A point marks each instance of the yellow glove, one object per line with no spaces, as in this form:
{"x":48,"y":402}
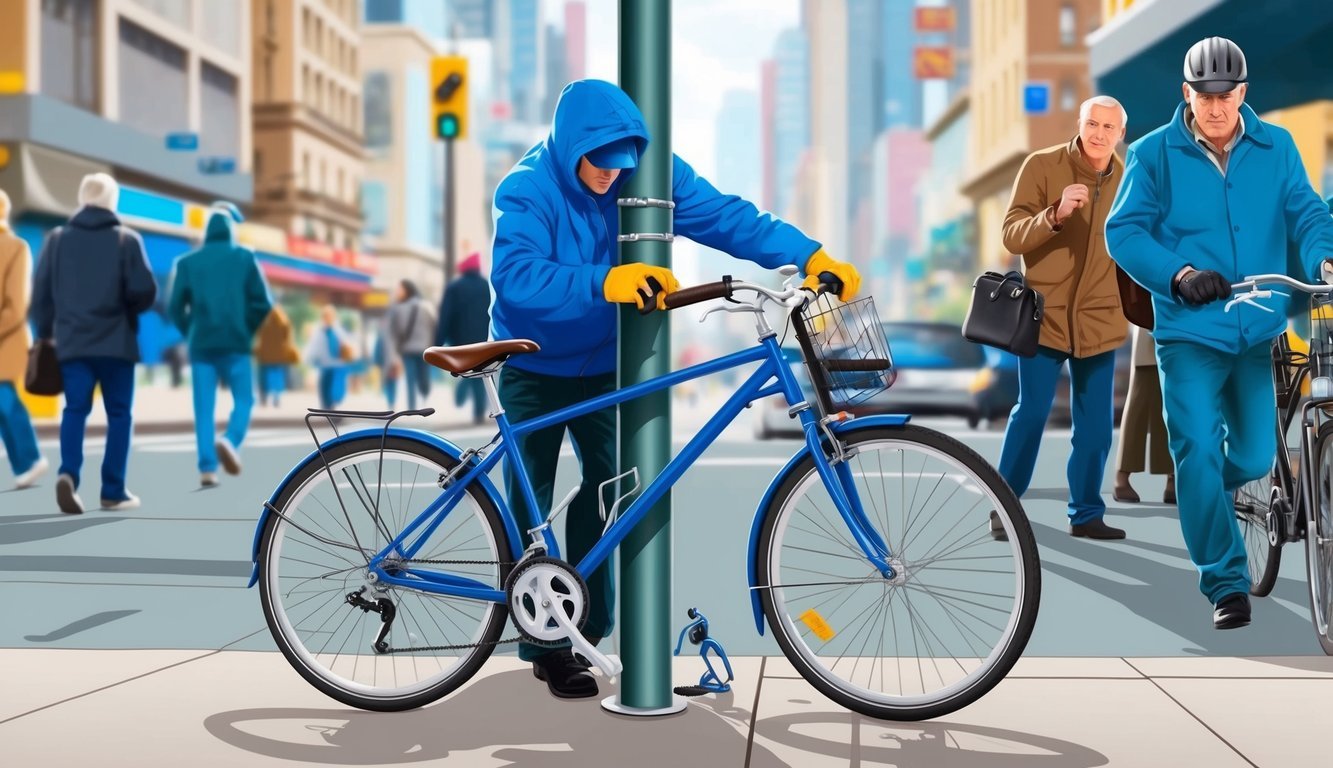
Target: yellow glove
{"x":624,"y":282}
{"x":822,"y":262}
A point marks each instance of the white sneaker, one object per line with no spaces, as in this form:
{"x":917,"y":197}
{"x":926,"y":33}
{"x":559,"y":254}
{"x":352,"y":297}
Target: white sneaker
{"x":228,"y":456}
{"x":208,"y":479}
{"x":29,"y":478}
{"x":129,"y":503}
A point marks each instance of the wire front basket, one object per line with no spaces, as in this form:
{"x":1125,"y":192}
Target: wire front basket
{"x":847,"y":351}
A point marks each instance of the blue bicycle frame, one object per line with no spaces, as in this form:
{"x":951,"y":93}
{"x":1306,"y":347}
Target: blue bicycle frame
{"x":837,"y":478}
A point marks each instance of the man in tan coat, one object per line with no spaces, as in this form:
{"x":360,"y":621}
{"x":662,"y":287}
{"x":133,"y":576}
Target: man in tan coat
{"x":1056,"y":222}
{"x":16,"y":431}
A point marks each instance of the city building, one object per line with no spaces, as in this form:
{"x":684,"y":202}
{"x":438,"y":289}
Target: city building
{"x":948,"y":232}
{"x":1017,"y":47}
{"x":431,"y":18}
{"x":474,"y":18}
{"x":112,"y":86}
{"x":576,"y":39}
{"x":820,"y":200}
{"x":403,"y":192}
{"x":790,"y":122}
{"x":888,"y":224}
{"x":525,"y":59}
{"x":1137,"y":53}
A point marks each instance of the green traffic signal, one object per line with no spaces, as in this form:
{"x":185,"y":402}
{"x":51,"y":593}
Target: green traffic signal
{"x":446,"y":126}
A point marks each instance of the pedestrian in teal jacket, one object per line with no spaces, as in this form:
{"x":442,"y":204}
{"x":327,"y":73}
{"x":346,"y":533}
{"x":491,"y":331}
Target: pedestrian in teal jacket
{"x":556,"y":279}
{"x":219,"y":298}
{"x":1210,"y":198}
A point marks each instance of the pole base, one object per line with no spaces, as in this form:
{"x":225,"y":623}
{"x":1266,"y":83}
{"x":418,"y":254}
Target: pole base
{"x":612,"y":704}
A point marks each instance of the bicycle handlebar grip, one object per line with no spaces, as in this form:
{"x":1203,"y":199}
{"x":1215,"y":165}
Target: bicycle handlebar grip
{"x":698,"y":293}
{"x":829,"y":283}
{"x":650,"y":299}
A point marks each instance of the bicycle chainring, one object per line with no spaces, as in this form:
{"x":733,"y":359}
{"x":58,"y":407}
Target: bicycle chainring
{"x":527,"y":590}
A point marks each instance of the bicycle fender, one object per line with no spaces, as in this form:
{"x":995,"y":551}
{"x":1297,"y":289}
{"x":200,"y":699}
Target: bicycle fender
{"x":417,"y":435}
{"x":867,"y":422}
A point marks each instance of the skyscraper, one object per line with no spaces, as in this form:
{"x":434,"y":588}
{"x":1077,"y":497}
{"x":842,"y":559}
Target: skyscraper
{"x":739,"y":169}
{"x":901,"y":94}
{"x":576,"y":39}
{"x":527,"y":59}
{"x":791,"y":114}
{"x":475,"y":18}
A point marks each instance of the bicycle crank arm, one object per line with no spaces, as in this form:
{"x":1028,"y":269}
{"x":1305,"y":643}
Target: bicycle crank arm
{"x":610,"y":667}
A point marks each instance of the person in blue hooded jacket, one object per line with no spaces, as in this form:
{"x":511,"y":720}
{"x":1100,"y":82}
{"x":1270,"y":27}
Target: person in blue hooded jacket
{"x":219,"y":298}
{"x":556,"y":282}
{"x":1208,"y":199}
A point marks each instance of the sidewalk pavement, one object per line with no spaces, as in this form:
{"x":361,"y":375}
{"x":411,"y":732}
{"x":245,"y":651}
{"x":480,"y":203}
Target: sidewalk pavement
{"x":227,"y":708}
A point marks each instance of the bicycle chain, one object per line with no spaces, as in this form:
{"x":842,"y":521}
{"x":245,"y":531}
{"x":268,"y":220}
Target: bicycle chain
{"x":460,"y":646}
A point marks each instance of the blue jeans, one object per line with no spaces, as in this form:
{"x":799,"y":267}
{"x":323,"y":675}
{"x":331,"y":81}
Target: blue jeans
{"x":272,"y":382}
{"x":1219,"y":419}
{"x":1092,"y":382}
{"x":416,"y":376}
{"x":476,"y":390}
{"x":238,"y":373}
{"x":332,"y":387}
{"x":116,"y":378}
{"x":16,"y":430}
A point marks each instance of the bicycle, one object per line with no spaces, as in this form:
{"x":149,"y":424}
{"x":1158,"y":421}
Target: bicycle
{"x":441,"y":578}
{"x":1291,"y":504}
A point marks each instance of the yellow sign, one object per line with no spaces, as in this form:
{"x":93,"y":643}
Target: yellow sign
{"x":11,"y":82}
{"x":932,"y":62}
{"x":448,"y":96}
{"x":4,"y":155}
{"x":375,"y":300}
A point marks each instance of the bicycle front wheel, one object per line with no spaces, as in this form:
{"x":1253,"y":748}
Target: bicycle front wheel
{"x":315,"y":554}
{"x":958,"y":614}
{"x":1319,"y":540}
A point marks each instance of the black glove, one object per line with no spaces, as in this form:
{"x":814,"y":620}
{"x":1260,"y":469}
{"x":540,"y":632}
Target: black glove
{"x":1202,"y":286}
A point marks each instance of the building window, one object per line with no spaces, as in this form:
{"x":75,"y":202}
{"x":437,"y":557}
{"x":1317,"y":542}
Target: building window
{"x":69,"y":61}
{"x":1068,"y":96}
{"x":154,"y":90}
{"x":378,"y":111}
{"x":220,"y":112}
{"x":175,"y":11}
{"x":306,"y":180}
{"x":1068,"y":26}
{"x":221,"y":21}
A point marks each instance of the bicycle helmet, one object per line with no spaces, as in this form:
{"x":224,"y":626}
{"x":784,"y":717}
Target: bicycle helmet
{"x":1215,"y":65}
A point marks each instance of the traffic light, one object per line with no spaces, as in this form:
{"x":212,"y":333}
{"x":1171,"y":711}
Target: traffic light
{"x":448,"y":86}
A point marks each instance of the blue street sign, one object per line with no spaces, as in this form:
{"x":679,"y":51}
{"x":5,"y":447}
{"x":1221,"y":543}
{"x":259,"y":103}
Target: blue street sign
{"x":183,"y":142}
{"x":1037,"y":98}
{"x":217,"y":165}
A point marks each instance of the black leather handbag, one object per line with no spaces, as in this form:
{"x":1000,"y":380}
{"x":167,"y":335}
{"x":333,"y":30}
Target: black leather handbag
{"x":1005,"y":314}
{"x":43,"y":374}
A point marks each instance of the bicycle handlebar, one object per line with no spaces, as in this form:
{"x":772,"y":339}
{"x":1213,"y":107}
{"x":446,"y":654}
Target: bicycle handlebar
{"x":724,"y":289}
{"x":1254,"y":281}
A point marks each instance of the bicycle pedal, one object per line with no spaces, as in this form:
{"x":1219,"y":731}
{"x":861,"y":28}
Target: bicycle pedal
{"x":691,"y":690}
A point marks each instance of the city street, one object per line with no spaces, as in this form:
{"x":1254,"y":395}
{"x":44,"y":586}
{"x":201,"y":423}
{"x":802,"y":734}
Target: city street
{"x":165,"y":586}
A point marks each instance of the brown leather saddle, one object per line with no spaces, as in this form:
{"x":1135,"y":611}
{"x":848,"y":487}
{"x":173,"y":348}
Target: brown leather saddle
{"x":471,"y":358}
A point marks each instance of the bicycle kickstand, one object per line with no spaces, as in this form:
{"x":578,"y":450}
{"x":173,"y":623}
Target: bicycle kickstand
{"x":711,"y":681}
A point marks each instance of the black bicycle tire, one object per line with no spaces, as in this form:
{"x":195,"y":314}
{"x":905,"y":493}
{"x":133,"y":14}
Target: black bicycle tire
{"x":1027,"y":545}
{"x":499,"y":618}
{"x":1261,"y":585}
{"x":1322,"y":438}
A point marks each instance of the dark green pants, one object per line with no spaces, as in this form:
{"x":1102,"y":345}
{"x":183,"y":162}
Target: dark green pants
{"x":525,"y":396}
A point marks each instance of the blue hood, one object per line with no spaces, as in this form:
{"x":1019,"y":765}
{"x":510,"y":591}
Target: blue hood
{"x":220,"y":230}
{"x":591,"y":114}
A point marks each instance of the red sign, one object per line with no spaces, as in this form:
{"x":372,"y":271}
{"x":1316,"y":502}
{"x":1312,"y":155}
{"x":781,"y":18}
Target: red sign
{"x":934,"y":20}
{"x":311,"y":250}
{"x":932,"y":62}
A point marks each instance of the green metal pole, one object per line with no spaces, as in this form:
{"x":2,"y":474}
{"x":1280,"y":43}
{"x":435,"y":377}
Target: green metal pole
{"x":645,"y":352}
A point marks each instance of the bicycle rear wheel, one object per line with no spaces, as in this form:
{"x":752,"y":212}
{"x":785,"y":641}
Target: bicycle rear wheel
{"x":1253,"y":504}
{"x":958,"y":616}
{"x":1319,"y":540}
{"x":315,"y":555}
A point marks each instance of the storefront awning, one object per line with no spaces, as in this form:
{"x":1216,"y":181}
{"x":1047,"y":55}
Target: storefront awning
{"x":1138,"y":55}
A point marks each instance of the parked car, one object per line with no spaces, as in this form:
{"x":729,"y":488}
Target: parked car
{"x":938,"y":372}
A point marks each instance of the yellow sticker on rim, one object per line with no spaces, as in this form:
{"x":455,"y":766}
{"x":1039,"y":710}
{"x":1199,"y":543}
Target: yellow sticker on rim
{"x":816,"y":623}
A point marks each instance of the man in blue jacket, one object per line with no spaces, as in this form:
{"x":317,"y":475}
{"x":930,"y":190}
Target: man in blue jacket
{"x":219,"y":298}
{"x":556,"y":281}
{"x":1208,"y":199}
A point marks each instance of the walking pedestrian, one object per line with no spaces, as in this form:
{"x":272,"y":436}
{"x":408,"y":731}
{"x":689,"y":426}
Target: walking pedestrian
{"x":1142,"y":425}
{"x":411,"y":325}
{"x":465,"y":318}
{"x":16,"y":432}
{"x":93,"y":281}
{"x":1055,"y":222}
{"x":330,"y":351}
{"x":1209,"y":198}
{"x":219,"y":298}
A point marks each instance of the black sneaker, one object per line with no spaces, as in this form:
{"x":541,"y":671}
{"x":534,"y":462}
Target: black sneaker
{"x":1096,"y":529}
{"x":1233,"y":611}
{"x":565,"y":675}
{"x":997,"y":528}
